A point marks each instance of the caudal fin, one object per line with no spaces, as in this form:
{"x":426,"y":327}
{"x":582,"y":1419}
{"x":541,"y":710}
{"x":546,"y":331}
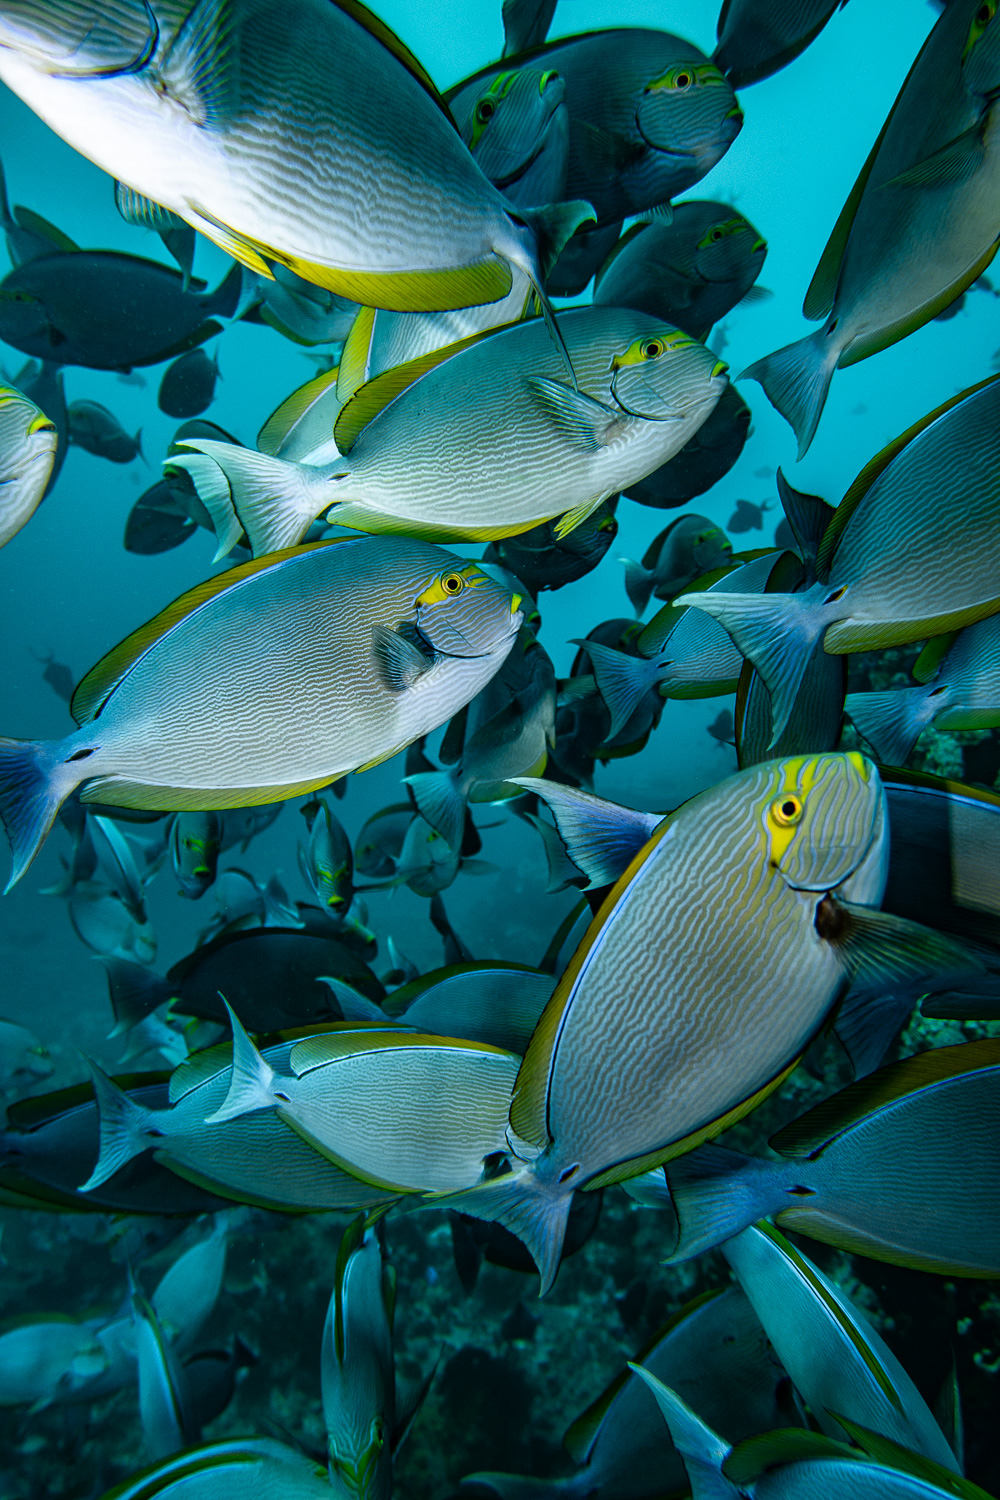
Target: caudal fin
{"x":252,"y":1084}
{"x":535,"y":1210}
{"x":440,"y":801}
{"x":124,"y":1127}
{"x":776,"y":633}
{"x":35,"y":781}
{"x":276,"y":501}
{"x":622,"y":681}
{"x":638,"y":584}
{"x":796,"y":381}
{"x":134,"y":991}
{"x":212,"y":488}
{"x":716,"y":1193}
{"x":702,"y":1450}
{"x":893,"y":722}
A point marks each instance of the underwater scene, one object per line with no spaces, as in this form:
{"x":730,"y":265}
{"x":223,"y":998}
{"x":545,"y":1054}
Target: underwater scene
{"x":500,"y":692}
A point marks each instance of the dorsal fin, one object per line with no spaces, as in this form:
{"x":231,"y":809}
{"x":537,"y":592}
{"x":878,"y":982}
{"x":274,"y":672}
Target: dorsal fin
{"x":100,"y":682}
{"x":357,"y":1037}
{"x":875,"y":467}
{"x":814,"y":1131}
{"x":391,"y":42}
{"x":199,"y":1068}
{"x":294,"y":407}
{"x":822,"y":289}
{"x":933,"y":655}
{"x":752,"y":1458}
{"x":353,"y":370}
{"x":377,"y":394}
{"x":883,"y":1450}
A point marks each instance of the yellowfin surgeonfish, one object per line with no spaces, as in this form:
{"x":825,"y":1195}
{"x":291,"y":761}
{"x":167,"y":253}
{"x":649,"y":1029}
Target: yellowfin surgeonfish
{"x":708,"y":969}
{"x":27,"y":452}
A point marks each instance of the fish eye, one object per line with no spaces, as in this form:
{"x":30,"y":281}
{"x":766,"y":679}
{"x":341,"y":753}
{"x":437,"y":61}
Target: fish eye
{"x":651,"y":348}
{"x":717,"y":233}
{"x":485,"y":110}
{"x":786,"y":811}
{"x":453,"y":583}
{"x":683,"y":79}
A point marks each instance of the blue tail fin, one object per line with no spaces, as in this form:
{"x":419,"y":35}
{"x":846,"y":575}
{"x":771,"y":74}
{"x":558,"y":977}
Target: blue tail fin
{"x":34,"y":784}
{"x":533,"y":1209}
{"x":716,"y":1193}
{"x":796,"y":381}
{"x":702,"y":1450}
{"x":892,"y":722}
{"x":622,"y":681}
{"x":638,"y":584}
{"x":125,"y":1129}
{"x":440,"y":801}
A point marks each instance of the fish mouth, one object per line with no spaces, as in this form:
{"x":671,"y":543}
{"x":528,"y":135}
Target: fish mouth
{"x":670,"y":416}
{"x":525,"y":166}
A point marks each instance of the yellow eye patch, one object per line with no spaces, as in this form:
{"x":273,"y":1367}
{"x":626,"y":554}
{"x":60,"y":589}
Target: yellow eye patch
{"x":685,"y":76}
{"x":984,"y":15}
{"x":654,"y":347}
{"x":450,"y":584}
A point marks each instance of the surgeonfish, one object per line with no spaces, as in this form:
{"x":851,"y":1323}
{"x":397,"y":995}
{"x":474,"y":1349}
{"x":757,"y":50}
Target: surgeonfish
{"x":327,"y":861}
{"x":377,"y":846}
{"x":715,"y":1351}
{"x":518,"y":132}
{"x":257,"y":1159}
{"x":542,"y":560}
{"x":358,"y":1371}
{"x":272,"y":976}
{"x":252,"y":176}
{"x":690,"y":272}
{"x":43,"y":1357}
{"x":838,"y":1363}
{"x":403,"y":1112}
{"x":108,"y":310}
{"x":883,"y":576}
{"x":176,"y":717}
{"x":675,"y":653}
{"x":809,"y":838}
{"x":899,"y":1166}
{"x":188,"y":384}
{"x":98,"y":431}
{"x":195,"y":846}
{"x":23,"y":1058}
{"x":28,"y":443}
{"x":758,"y":37}
{"x":690,"y":546}
{"x":795,"y":1465}
{"x":747,"y":517}
{"x":960,"y":690}
{"x":921,"y":223}
{"x":507,"y":731}
{"x":649,"y":115}
{"x":487,"y":439}
{"x":43,"y":382}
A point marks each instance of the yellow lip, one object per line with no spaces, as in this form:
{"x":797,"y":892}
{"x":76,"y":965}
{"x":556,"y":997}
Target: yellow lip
{"x":515,"y":603}
{"x":719,"y":368}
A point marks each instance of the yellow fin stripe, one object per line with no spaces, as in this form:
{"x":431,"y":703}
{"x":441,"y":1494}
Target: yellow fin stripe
{"x":121,"y":793}
{"x":94,"y":690}
{"x":354,"y":360}
{"x":281,"y":421}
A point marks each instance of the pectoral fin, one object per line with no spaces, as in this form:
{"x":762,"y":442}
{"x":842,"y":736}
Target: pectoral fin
{"x":588,"y":424}
{"x":952,"y":165}
{"x":398,"y":658}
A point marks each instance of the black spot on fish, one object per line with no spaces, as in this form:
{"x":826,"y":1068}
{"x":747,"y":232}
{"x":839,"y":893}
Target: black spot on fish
{"x":80,"y":754}
{"x":831,"y":919}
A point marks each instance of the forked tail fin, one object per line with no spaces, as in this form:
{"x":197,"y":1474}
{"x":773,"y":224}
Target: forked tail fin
{"x":622,"y":681}
{"x":796,"y":381}
{"x":440,"y":801}
{"x":702,"y":1450}
{"x":639,"y":583}
{"x":535,"y":1210}
{"x":124,"y":1125}
{"x":35,"y":780}
{"x":777,"y":633}
{"x":275,"y":501}
{"x":892,"y":722}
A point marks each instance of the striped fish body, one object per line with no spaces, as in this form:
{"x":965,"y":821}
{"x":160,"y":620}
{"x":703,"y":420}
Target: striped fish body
{"x":925,"y":1155}
{"x":195,"y":723}
{"x":914,"y":245}
{"x":231,"y":1469}
{"x":28,"y":442}
{"x":899,"y":582}
{"x":649,"y":115}
{"x":299,"y":136}
{"x":703,"y":977}
{"x":696,"y":652}
{"x":517,"y":128}
{"x":476,"y":447}
{"x":358,"y":1373}
{"x":968,"y":683}
{"x":403,"y":1112}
